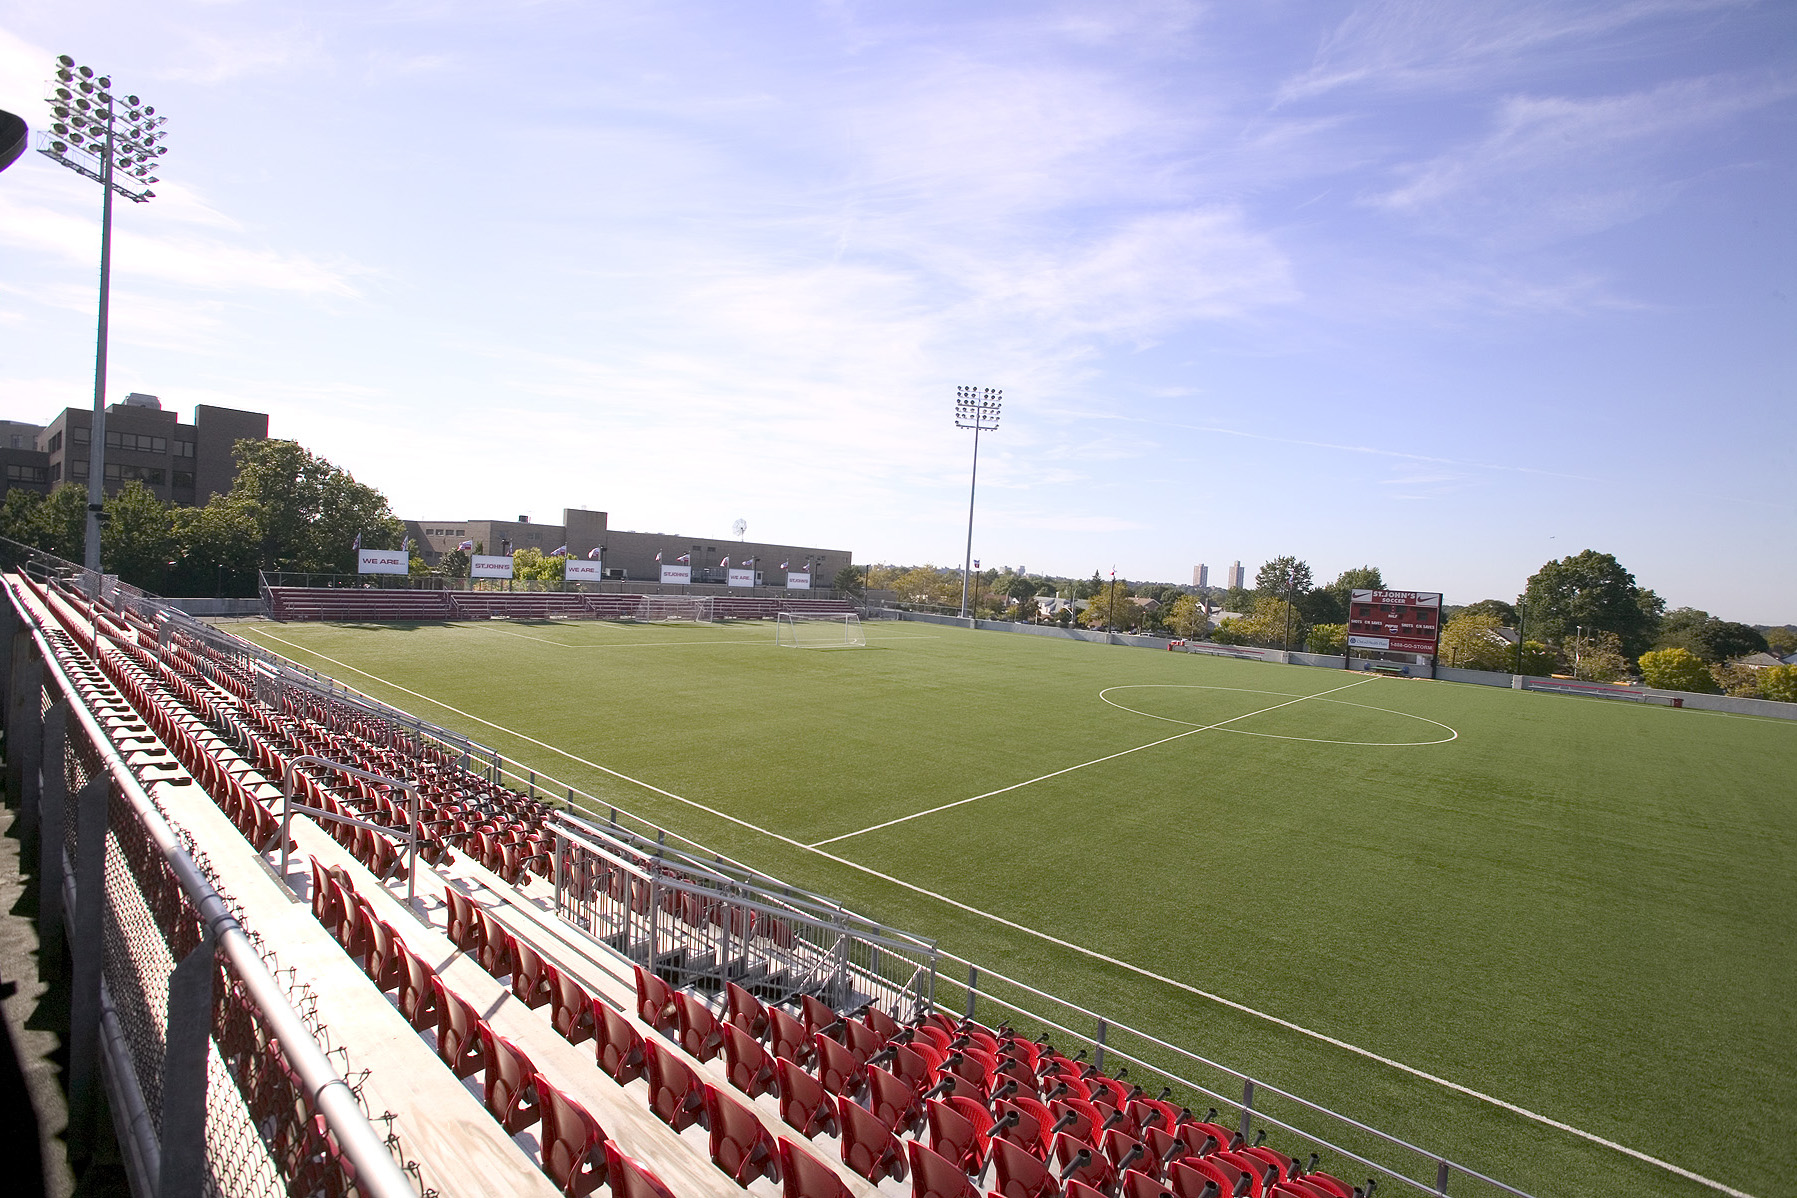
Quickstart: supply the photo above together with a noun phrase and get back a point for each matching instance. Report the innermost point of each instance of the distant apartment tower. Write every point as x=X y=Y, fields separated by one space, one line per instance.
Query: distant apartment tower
x=1236 y=576
x=1200 y=575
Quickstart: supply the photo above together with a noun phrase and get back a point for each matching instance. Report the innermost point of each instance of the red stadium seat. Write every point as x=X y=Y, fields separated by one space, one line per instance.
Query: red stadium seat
x=674 y=1092
x=837 y=1070
x=867 y=1146
x=1024 y=1122
x=417 y=1000
x=804 y=1105
x=861 y=1040
x=816 y=1015
x=745 y=1010
x=630 y=1179
x=804 y=1176
x=1018 y=1174
x=530 y=976
x=1077 y=1160
x=617 y=1047
x=458 y=1041
x=893 y=1102
x=958 y=1131
x=697 y=1027
x=786 y=1037
x=383 y=964
x=751 y=1070
x=1127 y=1152
x=510 y=1091
x=464 y=933
x=654 y=1000
x=570 y=1007
x=497 y=951
x=573 y=1142
x=883 y=1025
x=936 y=1176
x=740 y=1145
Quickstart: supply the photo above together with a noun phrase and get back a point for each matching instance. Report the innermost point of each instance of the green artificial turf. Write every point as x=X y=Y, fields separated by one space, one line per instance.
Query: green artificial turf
x=1583 y=907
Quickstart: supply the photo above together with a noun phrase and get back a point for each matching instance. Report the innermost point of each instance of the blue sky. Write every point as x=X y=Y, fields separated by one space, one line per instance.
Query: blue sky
x=1452 y=289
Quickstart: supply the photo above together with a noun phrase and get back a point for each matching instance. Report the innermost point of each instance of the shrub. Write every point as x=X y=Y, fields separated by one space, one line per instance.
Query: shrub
x=1779 y=682
x=1677 y=670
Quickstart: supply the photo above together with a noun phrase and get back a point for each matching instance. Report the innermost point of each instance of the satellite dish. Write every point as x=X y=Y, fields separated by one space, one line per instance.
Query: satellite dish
x=740 y=527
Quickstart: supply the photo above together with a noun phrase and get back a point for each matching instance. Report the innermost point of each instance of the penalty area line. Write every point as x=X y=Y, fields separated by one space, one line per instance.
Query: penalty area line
x=1082 y=950
x=1082 y=765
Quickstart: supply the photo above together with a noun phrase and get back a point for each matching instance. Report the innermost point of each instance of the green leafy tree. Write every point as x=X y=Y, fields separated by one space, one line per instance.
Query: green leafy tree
x=1327 y=638
x=18 y=515
x=417 y=567
x=1265 y=625
x=1537 y=660
x=1188 y=619
x=454 y=564
x=137 y=541
x=1504 y=612
x=1086 y=588
x=1779 y=682
x=59 y=523
x=1722 y=640
x=849 y=580
x=1470 y=641
x=1742 y=682
x=1597 y=657
x=1593 y=591
x=1283 y=578
x=1360 y=578
x=1238 y=599
x=1677 y=669
x=217 y=548
x=1782 y=641
x=307 y=513
x=529 y=565
x=1111 y=608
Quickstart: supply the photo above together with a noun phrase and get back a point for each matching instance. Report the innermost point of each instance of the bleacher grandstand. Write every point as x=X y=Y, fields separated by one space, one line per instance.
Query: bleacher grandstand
x=397 y=605
x=425 y=980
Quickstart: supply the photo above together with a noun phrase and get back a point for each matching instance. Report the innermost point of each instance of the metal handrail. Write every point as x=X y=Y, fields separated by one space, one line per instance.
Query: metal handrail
x=288 y=807
x=328 y=1093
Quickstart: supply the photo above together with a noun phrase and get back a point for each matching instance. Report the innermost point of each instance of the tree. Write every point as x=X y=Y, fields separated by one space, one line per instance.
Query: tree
x=1711 y=639
x=59 y=523
x=1088 y=587
x=1676 y=670
x=1537 y=660
x=18 y=515
x=1782 y=641
x=306 y=512
x=1266 y=625
x=1596 y=657
x=1283 y=578
x=1470 y=641
x=1505 y=613
x=849 y=580
x=1742 y=682
x=1360 y=578
x=1187 y=618
x=1591 y=590
x=454 y=564
x=1779 y=682
x=137 y=541
x=1327 y=638
x=1102 y=613
x=217 y=550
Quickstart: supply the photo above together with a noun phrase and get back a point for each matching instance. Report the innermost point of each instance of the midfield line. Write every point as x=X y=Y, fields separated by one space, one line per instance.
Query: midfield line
x=1082 y=765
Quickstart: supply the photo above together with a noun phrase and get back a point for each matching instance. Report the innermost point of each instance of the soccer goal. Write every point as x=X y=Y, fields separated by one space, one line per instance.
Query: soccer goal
x=824 y=630
x=694 y=609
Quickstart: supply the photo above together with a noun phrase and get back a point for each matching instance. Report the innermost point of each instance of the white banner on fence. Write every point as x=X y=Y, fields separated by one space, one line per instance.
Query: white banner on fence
x=382 y=561
x=798 y=582
x=681 y=575
x=581 y=569
x=742 y=578
x=492 y=567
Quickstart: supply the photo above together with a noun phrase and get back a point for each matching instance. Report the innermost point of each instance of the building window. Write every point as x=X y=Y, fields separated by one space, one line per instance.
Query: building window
x=18 y=442
x=56 y=472
x=184 y=478
x=146 y=474
x=78 y=472
x=80 y=434
x=27 y=474
x=136 y=442
x=184 y=449
x=55 y=442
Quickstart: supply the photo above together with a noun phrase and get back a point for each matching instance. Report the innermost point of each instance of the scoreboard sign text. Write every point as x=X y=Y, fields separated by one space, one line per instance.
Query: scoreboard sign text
x=1399 y=621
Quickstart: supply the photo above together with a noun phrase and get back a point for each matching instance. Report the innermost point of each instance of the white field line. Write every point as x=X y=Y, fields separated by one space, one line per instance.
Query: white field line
x=1309 y=740
x=1190 y=731
x=1081 y=949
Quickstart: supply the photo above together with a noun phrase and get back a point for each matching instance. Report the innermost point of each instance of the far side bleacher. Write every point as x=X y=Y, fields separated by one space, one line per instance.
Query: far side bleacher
x=394 y=605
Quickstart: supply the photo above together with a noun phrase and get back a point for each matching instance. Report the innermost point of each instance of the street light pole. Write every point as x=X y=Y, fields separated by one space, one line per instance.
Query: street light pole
x=1110 y=614
x=86 y=135
x=976 y=408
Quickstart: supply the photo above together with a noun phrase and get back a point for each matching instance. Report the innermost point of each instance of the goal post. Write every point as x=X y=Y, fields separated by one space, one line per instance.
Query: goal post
x=820 y=630
x=692 y=609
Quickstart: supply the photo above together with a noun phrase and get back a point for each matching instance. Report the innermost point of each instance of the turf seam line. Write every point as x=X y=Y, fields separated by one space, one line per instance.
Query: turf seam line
x=1141 y=971
x=1192 y=731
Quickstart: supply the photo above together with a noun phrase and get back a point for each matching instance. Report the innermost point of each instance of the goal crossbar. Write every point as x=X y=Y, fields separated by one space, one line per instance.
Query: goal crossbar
x=694 y=609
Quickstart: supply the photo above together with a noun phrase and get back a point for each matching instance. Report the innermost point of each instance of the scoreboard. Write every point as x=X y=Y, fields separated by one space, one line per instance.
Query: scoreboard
x=1399 y=621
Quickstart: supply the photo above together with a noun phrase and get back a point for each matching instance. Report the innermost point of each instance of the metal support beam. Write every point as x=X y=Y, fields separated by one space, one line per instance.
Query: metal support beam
x=1247 y=1108
x=1098 y=1051
x=973 y=987
x=188 y=1041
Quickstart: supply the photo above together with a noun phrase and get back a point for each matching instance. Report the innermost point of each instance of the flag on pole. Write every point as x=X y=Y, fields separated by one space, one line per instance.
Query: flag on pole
x=405 y=546
x=593 y=554
x=562 y=552
x=468 y=545
x=785 y=565
x=725 y=562
x=658 y=555
x=357 y=544
x=976 y=563
x=685 y=559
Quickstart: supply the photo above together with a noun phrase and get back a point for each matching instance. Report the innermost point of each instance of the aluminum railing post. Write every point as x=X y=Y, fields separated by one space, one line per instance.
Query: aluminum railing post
x=187 y=1041
x=53 y=797
x=1247 y=1107
x=1441 y=1177
x=1098 y=1051
x=89 y=946
x=973 y=986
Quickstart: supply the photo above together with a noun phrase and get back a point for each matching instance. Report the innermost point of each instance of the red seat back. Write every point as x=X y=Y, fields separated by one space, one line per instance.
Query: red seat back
x=803 y=1103
x=740 y=1145
x=751 y=1070
x=804 y=1176
x=458 y=1043
x=1095 y=1172
x=745 y=1010
x=837 y=1069
x=697 y=1027
x=955 y=1135
x=530 y=975
x=654 y=1000
x=630 y=1179
x=417 y=1001
x=510 y=1091
x=674 y=1093
x=892 y=1101
x=617 y=1047
x=573 y=1153
x=1018 y=1174
x=936 y=1176
x=570 y=1008
x=867 y=1146
x=786 y=1037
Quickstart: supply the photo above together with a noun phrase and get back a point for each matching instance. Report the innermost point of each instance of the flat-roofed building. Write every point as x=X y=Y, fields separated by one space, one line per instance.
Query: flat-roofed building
x=184 y=464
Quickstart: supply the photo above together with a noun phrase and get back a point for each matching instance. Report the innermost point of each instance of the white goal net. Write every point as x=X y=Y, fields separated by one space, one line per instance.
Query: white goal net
x=826 y=630
x=695 y=609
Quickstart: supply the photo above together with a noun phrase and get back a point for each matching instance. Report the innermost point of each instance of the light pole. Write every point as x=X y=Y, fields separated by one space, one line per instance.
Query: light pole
x=94 y=135
x=1110 y=611
x=975 y=408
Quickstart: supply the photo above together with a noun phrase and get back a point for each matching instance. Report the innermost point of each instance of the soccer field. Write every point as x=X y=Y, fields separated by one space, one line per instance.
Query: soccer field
x=1581 y=907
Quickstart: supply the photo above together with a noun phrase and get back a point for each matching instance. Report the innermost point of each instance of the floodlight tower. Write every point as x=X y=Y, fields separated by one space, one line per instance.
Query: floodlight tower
x=975 y=408
x=99 y=137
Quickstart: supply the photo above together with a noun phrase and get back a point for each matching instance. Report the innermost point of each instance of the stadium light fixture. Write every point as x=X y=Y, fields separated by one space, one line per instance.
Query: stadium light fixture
x=976 y=408
x=116 y=142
